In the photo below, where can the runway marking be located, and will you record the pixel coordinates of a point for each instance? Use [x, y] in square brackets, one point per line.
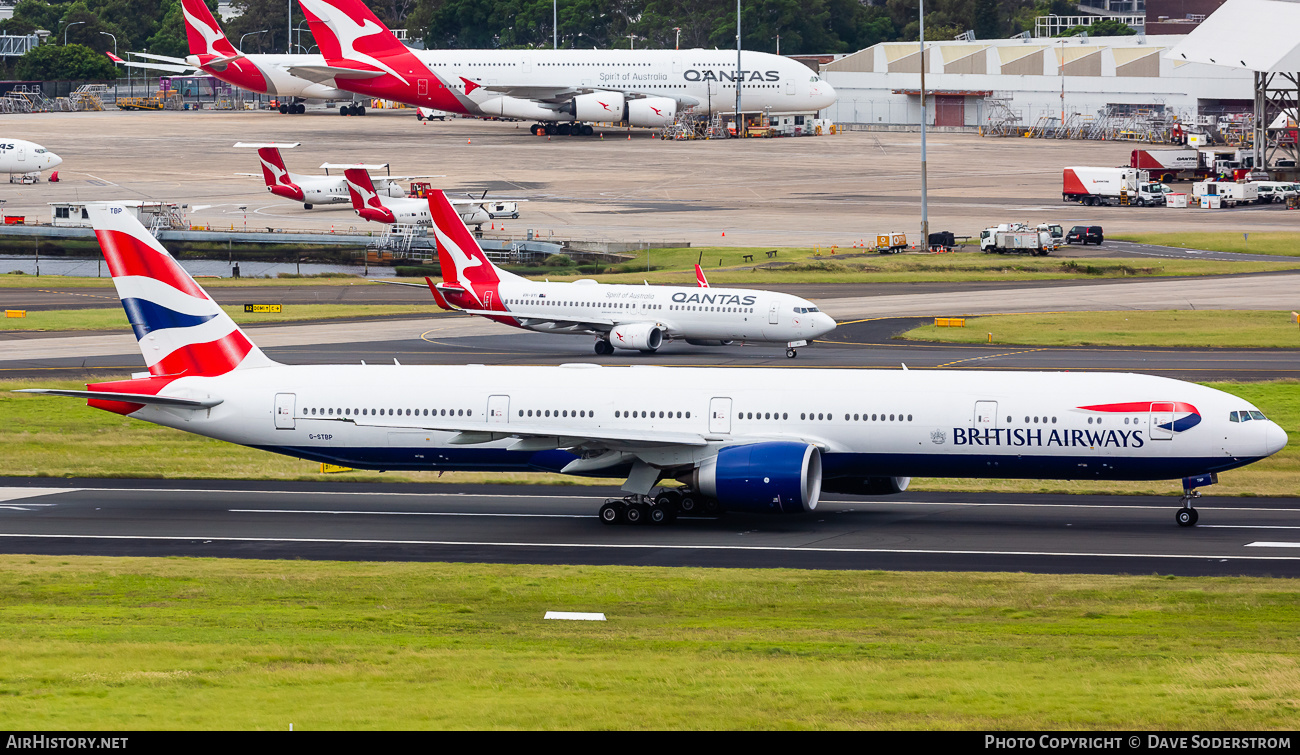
[1252, 526]
[662, 546]
[989, 356]
[15, 494]
[1264, 544]
[407, 513]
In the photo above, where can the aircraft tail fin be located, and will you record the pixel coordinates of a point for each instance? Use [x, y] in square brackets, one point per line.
[203, 32]
[350, 35]
[463, 262]
[182, 332]
[365, 199]
[699, 277]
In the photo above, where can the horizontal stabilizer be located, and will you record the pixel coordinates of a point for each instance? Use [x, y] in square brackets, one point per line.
[324, 74]
[164, 58]
[262, 145]
[130, 398]
[169, 67]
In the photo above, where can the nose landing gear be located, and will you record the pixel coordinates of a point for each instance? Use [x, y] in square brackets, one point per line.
[1187, 516]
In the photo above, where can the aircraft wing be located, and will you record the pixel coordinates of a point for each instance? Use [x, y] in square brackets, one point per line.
[130, 398]
[471, 432]
[326, 74]
[554, 95]
[598, 322]
[163, 58]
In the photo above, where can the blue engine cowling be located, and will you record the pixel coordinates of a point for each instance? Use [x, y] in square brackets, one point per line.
[777, 478]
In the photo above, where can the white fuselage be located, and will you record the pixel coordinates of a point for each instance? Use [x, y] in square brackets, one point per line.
[695, 314]
[19, 156]
[866, 422]
[334, 189]
[276, 78]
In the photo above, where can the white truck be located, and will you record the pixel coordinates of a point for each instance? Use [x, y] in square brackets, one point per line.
[1017, 238]
[1111, 186]
[1230, 193]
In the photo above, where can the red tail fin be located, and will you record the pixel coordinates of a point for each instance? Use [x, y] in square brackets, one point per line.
[365, 200]
[203, 31]
[699, 277]
[351, 35]
[462, 260]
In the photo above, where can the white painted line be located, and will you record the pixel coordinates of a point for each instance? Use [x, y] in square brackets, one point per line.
[409, 513]
[1265, 544]
[573, 616]
[15, 494]
[646, 546]
[1251, 526]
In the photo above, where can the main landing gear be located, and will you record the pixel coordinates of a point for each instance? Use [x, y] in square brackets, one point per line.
[561, 129]
[352, 110]
[292, 108]
[1187, 516]
[660, 507]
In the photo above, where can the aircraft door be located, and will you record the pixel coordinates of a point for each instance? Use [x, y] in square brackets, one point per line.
[1162, 420]
[22, 153]
[422, 87]
[789, 87]
[720, 415]
[774, 313]
[986, 415]
[677, 65]
[498, 410]
[284, 404]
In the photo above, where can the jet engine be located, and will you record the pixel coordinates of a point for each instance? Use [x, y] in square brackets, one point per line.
[643, 336]
[515, 107]
[780, 477]
[867, 485]
[651, 112]
[597, 107]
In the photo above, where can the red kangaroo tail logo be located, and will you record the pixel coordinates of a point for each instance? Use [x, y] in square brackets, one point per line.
[365, 200]
[276, 175]
[203, 32]
[700, 279]
[349, 34]
[462, 260]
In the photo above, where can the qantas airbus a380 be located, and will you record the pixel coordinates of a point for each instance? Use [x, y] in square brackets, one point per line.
[752, 439]
[556, 88]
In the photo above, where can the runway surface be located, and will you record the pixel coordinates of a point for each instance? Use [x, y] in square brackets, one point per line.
[462, 340]
[548, 524]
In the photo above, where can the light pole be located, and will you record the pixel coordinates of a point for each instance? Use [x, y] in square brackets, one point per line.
[249, 34]
[115, 58]
[65, 31]
[298, 29]
[555, 24]
[778, 44]
[631, 41]
[925, 208]
[288, 43]
[678, 44]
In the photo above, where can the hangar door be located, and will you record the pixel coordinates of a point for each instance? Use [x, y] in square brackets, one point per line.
[949, 110]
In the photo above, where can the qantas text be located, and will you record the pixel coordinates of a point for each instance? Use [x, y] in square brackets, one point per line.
[962, 436]
[744, 301]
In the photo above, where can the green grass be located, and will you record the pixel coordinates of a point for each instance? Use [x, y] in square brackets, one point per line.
[1283, 243]
[1242, 329]
[131, 643]
[45, 436]
[115, 319]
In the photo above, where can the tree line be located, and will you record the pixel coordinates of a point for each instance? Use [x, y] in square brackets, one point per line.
[90, 27]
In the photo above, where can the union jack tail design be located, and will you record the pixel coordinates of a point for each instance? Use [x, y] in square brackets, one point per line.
[181, 330]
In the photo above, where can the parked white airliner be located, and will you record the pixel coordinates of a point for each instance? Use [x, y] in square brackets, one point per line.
[640, 318]
[22, 157]
[563, 90]
[314, 190]
[758, 439]
[370, 203]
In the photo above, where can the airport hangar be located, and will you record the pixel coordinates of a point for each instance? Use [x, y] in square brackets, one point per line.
[974, 82]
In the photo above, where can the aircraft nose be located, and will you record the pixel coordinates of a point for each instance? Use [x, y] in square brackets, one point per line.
[824, 95]
[55, 160]
[825, 323]
[1274, 439]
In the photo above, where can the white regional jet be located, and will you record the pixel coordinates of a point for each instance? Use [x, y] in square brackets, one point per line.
[18, 157]
[370, 204]
[563, 90]
[640, 318]
[314, 190]
[757, 439]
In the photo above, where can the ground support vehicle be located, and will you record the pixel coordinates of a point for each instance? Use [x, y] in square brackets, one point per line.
[1017, 238]
[1111, 186]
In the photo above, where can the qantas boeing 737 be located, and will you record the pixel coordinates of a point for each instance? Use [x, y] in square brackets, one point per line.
[640, 318]
[563, 90]
[754, 439]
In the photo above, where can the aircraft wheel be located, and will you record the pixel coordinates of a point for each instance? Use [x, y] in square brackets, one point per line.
[587, 130]
[361, 110]
[635, 513]
[284, 110]
[575, 129]
[550, 129]
[344, 110]
[660, 515]
[688, 503]
[791, 353]
[611, 513]
[667, 499]
[563, 129]
[1187, 517]
[307, 206]
[533, 129]
[300, 108]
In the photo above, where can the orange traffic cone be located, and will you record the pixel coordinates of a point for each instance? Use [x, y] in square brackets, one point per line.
[629, 137]
[467, 141]
[724, 233]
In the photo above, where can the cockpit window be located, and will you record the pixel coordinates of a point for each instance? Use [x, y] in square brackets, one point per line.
[812, 309]
[39, 151]
[1256, 415]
